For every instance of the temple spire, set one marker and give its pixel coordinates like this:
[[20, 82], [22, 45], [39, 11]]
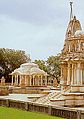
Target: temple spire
[[71, 12]]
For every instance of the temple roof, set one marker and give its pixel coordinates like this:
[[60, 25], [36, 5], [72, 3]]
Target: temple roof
[[28, 69]]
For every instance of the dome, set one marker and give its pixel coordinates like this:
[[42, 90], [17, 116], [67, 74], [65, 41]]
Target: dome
[[28, 69], [79, 33], [29, 65], [35, 70]]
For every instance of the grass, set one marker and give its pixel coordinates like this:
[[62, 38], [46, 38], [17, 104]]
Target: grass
[[11, 113]]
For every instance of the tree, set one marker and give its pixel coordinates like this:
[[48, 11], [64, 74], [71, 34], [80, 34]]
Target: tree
[[41, 64], [53, 66], [11, 59]]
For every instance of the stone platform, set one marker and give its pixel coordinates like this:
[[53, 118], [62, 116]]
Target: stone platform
[[77, 88], [69, 100]]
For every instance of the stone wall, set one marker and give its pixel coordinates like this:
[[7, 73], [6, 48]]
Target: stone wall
[[65, 112], [4, 90], [28, 90]]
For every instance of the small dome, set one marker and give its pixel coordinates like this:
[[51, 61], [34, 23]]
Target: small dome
[[79, 33], [29, 64]]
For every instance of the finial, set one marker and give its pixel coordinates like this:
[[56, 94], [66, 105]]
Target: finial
[[71, 12]]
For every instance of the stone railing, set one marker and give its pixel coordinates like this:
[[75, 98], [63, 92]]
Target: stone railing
[[64, 112]]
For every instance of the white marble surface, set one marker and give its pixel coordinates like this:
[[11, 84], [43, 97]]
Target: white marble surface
[[21, 97]]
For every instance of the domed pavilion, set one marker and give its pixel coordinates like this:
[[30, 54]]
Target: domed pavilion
[[29, 74]]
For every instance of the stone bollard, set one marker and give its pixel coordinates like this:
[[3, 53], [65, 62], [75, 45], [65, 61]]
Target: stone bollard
[[26, 106], [78, 114], [7, 103], [49, 110]]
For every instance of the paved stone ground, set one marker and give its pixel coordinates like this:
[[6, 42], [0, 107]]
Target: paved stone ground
[[21, 97]]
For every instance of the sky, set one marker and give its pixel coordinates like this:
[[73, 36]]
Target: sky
[[36, 26]]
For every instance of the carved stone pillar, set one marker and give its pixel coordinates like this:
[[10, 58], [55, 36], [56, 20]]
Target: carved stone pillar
[[25, 80], [68, 77], [17, 79], [33, 80], [38, 81], [12, 81], [78, 74], [30, 77], [72, 78], [41, 81], [45, 80], [81, 77], [75, 74], [20, 80]]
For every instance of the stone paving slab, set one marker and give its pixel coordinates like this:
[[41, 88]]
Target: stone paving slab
[[21, 97]]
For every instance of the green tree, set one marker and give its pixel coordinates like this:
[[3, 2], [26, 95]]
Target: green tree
[[53, 66], [11, 59], [41, 64]]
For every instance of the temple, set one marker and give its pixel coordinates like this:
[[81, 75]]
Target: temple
[[72, 57], [72, 68]]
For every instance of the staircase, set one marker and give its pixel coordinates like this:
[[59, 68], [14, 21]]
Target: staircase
[[46, 99], [52, 96]]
